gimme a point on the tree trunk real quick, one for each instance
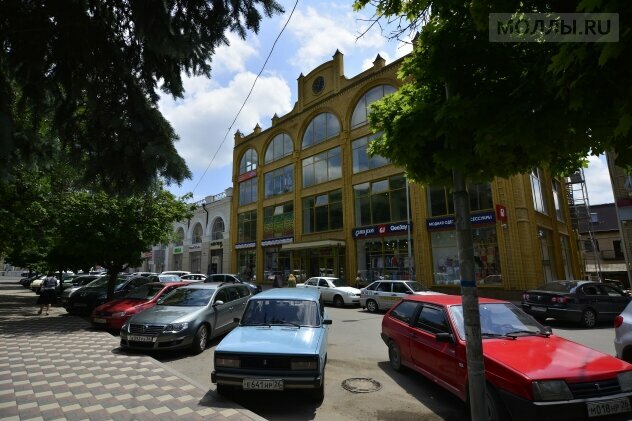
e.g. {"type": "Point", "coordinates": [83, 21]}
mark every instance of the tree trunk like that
{"type": "Point", "coordinates": [471, 315]}
{"type": "Point", "coordinates": [113, 272]}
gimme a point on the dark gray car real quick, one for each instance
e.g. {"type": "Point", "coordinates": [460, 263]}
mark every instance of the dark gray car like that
{"type": "Point", "coordinates": [187, 317]}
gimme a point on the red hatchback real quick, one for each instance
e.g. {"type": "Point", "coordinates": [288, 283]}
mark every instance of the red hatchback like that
{"type": "Point", "coordinates": [531, 373]}
{"type": "Point", "coordinates": [113, 314]}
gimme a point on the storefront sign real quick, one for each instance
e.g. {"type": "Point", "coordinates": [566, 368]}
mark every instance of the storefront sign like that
{"type": "Point", "coordinates": [381, 230]}
{"type": "Point", "coordinates": [501, 213]}
{"type": "Point", "coordinates": [448, 221]}
{"type": "Point", "coordinates": [195, 247]}
{"type": "Point", "coordinates": [246, 176]}
{"type": "Point", "coordinates": [248, 245]}
{"type": "Point", "coordinates": [177, 250]}
{"type": "Point", "coordinates": [214, 245]}
{"type": "Point", "coordinates": [277, 241]}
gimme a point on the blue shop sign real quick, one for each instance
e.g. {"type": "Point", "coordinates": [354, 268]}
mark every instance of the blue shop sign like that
{"type": "Point", "coordinates": [479, 218]}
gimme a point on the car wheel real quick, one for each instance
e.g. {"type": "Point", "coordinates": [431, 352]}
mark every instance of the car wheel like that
{"type": "Point", "coordinates": [200, 339]}
{"type": "Point", "coordinates": [319, 393]}
{"type": "Point", "coordinates": [495, 409]}
{"type": "Point", "coordinates": [338, 301]}
{"type": "Point", "coordinates": [589, 318]}
{"type": "Point", "coordinates": [372, 306]}
{"type": "Point", "coordinates": [395, 356]}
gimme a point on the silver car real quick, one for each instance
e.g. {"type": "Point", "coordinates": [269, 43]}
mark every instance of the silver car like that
{"type": "Point", "coordinates": [623, 334]}
{"type": "Point", "coordinates": [187, 317]}
{"type": "Point", "coordinates": [333, 290]}
{"type": "Point", "coordinates": [383, 294]}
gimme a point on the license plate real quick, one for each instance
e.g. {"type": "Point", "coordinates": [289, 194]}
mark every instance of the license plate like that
{"type": "Point", "coordinates": [95, 320]}
{"type": "Point", "coordinates": [138, 338]}
{"type": "Point", "coordinates": [262, 384]}
{"type": "Point", "coordinates": [536, 308]}
{"type": "Point", "coordinates": [609, 407]}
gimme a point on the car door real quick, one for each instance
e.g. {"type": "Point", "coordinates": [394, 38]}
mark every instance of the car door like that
{"type": "Point", "coordinates": [596, 298]}
{"type": "Point", "coordinates": [384, 292]}
{"type": "Point", "coordinates": [615, 301]}
{"type": "Point", "coordinates": [325, 290]}
{"type": "Point", "coordinates": [222, 312]}
{"type": "Point", "coordinates": [240, 304]}
{"type": "Point", "coordinates": [438, 359]}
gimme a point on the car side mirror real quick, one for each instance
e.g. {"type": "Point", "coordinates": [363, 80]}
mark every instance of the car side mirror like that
{"type": "Point", "coordinates": [218, 303]}
{"type": "Point", "coordinates": [327, 322]}
{"type": "Point", "coordinates": [444, 337]}
{"type": "Point", "coordinates": [548, 330]}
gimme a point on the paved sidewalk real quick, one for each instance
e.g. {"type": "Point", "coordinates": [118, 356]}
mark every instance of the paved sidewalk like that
{"type": "Point", "coordinates": [57, 367]}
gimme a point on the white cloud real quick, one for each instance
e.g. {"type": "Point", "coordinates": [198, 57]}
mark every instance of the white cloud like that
{"type": "Point", "coordinates": [232, 58]}
{"type": "Point", "coordinates": [598, 182]}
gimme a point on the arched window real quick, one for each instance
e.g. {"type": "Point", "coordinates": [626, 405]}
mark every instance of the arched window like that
{"type": "Point", "coordinates": [197, 233]}
{"type": "Point", "coordinates": [361, 111]}
{"type": "Point", "coordinates": [179, 236]}
{"type": "Point", "coordinates": [248, 161]}
{"type": "Point", "coordinates": [324, 126]}
{"type": "Point", "coordinates": [279, 147]}
{"type": "Point", "coordinates": [218, 229]}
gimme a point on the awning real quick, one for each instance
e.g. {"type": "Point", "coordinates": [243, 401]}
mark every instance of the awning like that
{"type": "Point", "coordinates": [606, 267]}
{"type": "Point", "coordinates": [313, 244]}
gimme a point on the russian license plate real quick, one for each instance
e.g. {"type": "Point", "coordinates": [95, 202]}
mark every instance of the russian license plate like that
{"type": "Point", "coordinates": [139, 338]}
{"type": "Point", "coordinates": [262, 384]}
{"type": "Point", "coordinates": [96, 320]}
{"type": "Point", "coordinates": [536, 308]}
{"type": "Point", "coordinates": [609, 407]}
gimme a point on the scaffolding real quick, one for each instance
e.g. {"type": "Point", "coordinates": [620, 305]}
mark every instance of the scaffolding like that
{"type": "Point", "coordinates": [581, 218]}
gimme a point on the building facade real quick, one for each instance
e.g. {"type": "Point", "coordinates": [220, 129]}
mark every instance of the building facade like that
{"type": "Point", "coordinates": [309, 199]}
{"type": "Point", "coordinates": [622, 191]}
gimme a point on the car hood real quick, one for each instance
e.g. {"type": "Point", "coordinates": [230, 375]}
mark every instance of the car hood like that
{"type": "Point", "coordinates": [166, 314]}
{"type": "Point", "coordinates": [121, 305]}
{"type": "Point", "coordinates": [350, 290]}
{"type": "Point", "coordinates": [541, 358]}
{"type": "Point", "coordinates": [272, 340]}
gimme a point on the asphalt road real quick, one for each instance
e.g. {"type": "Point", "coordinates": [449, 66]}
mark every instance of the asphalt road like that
{"type": "Point", "coordinates": [357, 351]}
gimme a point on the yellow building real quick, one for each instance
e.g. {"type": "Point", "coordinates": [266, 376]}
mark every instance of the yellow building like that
{"type": "Point", "coordinates": [309, 199]}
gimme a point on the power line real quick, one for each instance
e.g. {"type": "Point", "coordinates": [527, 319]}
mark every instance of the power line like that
{"type": "Point", "coordinates": [247, 97]}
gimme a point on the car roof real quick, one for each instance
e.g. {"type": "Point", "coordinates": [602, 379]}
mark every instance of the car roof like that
{"type": "Point", "coordinates": [166, 284]}
{"type": "Point", "coordinates": [289, 293]}
{"type": "Point", "coordinates": [448, 299]}
{"type": "Point", "coordinates": [205, 285]}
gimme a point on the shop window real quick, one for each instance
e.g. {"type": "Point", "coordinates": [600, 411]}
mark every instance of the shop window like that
{"type": "Point", "coordinates": [217, 232]}
{"type": "Point", "coordinates": [558, 199]}
{"type": "Point", "coordinates": [197, 234]}
{"type": "Point", "coordinates": [324, 126]}
{"type": "Point", "coordinates": [441, 201]}
{"type": "Point", "coordinates": [247, 263]}
{"type": "Point", "coordinates": [539, 196]}
{"type": "Point", "coordinates": [278, 220]}
{"type": "Point", "coordinates": [248, 161]}
{"type": "Point", "coordinates": [360, 157]}
{"type": "Point", "coordinates": [546, 248]}
{"type": "Point", "coordinates": [279, 181]}
{"type": "Point", "coordinates": [247, 226]}
{"type": "Point", "coordinates": [281, 146]}
{"type": "Point", "coordinates": [385, 258]}
{"type": "Point", "coordinates": [380, 201]}
{"type": "Point", "coordinates": [361, 111]}
{"type": "Point", "coordinates": [322, 212]}
{"type": "Point", "coordinates": [248, 191]}
{"type": "Point", "coordinates": [325, 166]}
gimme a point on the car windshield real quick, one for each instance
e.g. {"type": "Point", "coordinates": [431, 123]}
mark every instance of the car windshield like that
{"type": "Point", "coordinates": [499, 319]}
{"type": "Point", "coordinates": [144, 292]}
{"type": "Point", "coordinates": [415, 286]}
{"type": "Point", "coordinates": [168, 278]}
{"type": "Point", "coordinates": [187, 297]}
{"type": "Point", "coordinates": [561, 286]}
{"type": "Point", "coordinates": [279, 312]}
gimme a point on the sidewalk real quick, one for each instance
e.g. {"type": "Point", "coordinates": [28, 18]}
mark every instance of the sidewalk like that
{"type": "Point", "coordinates": [57, 367]}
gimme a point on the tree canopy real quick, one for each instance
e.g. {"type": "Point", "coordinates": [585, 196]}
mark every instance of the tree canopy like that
{"type": "Point", "coordinates": [87, 74]}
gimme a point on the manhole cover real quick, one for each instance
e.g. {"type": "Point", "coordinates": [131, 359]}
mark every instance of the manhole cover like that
{"type": "Point", "coordinates": [361, 385]}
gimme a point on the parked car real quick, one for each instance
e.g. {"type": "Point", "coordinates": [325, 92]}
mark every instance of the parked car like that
{"type": "Point", "coordinates": [582, 302]}
{"type": "Point", "coordinates": [333, 290]}
{"type": "Point", "coordinates": [26, 282]}
{"type": "Point", "coordinates": [531, 373]}
{"type": "Point", "coordinates": [194, 277]}
{"type": "Point", "coordinates": [87, 298]}
{"type": "Point", "coordinates": [175, 272]}
{"type": "Point", "coordinates": [623, 334]}
{"type": "Point", "coordinates": [186, 317]}
{"type": "Point", "coordinates": [280, 344]}
{"type": "Point", "coordinates": [165, 277]}
{"type": "Point", "coordinates": [68, 287]}
{"type": "Point", "coordinates": [233, 279]}
{"type": "Point", "coordinates": [382, 295]}
{"type": "Point", "coordinates": [113, 314]}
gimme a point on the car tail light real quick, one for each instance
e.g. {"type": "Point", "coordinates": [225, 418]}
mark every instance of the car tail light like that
{"type": "Point", "coordinates": [618, 321]}
{"type": "Point", "coordinates": [560, 300]}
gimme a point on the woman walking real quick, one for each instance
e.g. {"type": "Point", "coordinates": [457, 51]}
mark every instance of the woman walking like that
{"type": "Point", "coordinates": [47, 293]}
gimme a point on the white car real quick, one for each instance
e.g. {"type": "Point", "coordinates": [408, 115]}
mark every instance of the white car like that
{"type": "Point", "coordinates": [383, 294]}
{"type": "Point", "coordinates": [332, 290]}
{"type": "Point", "coordinates": [194, 277]}
{"type": "Point", "coordinates": [623, 334]}
{"type": "Point", "coordinates": [175, 272]}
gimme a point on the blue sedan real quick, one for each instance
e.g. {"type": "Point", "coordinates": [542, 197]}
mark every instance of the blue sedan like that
{"type": "Point", "coordinates": [280, 344]}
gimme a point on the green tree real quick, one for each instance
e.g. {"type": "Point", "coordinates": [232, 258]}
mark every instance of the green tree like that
{"type": "Point", "coordinates": [88, 73]}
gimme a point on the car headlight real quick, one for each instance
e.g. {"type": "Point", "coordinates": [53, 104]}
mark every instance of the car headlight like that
{"type": "Point", "coordinates": [304, 364]}
{"type": "Point", "coordinates": [176, 327]}
{"type": "Point", "coordinates": [125, 327]}
{"type": "Point", "coordinates": [551, 390]}
{"type": "Point", "coordinates": [119, 314]}
{"type": "Point", "coordinates": [625, 381]}
{"type": "Point", "coordinates": [232, 362]}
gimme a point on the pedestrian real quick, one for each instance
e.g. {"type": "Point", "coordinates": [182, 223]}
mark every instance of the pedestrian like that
{"type": "Point", "coordinates": [47, 293]}
{"type": "Point", "coordinates": [359, 281]}
{"type": "Point", "coordinates": [291, 280]}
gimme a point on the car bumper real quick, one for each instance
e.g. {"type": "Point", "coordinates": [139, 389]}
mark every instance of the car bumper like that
{"type": "Point", "coordinates": [289, 382]}
{"type": "Point", "coordinates": [576, 409]}
{"type": "Point", "coordinates": [570, 315]}
{"type": "Point", "coordinates": [108, 323]}
{"type": "Point", "coordinates": [352, 301]}
{"type": "Point", "coordinates": [160, 342]}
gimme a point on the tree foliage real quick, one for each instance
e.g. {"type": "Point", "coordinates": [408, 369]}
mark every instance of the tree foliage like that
{"type": "Point", "coordinates": [87, 73]}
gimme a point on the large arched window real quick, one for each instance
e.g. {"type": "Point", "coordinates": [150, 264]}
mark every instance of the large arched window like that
{"type": "Point", "coordinates": [179, 236]}
{"type": "Point", "coordinates": [218, 229]}
{"type": "Point", "coordinates": [361, 111]}
{"type": "Point", "coordinates": [279, 147]}
{"type": "Point", "coordinates": [324, 126]}
{"type": "Point", "coordinates": [248, 161]}
{"type": "Point", "coordinates": [197, 234]}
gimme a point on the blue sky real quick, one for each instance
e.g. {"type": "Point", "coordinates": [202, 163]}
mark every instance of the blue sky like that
{"type": "Point", "coordinates": [316, 30]}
